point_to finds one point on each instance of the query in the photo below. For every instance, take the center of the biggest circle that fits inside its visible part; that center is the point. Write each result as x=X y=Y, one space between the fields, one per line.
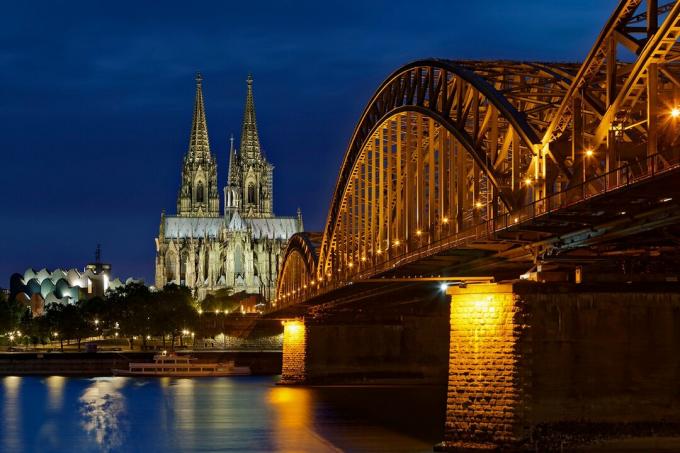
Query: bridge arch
x=464 y=133
x=298 y=267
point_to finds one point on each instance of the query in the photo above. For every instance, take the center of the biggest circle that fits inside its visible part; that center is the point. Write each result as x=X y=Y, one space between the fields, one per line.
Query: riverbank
x=101 y=363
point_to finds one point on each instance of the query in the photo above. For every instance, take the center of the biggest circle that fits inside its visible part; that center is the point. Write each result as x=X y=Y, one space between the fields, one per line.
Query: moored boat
x=172 y=365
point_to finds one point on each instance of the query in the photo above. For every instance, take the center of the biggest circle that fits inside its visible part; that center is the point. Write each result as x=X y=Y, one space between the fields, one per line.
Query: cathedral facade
x=239 y=248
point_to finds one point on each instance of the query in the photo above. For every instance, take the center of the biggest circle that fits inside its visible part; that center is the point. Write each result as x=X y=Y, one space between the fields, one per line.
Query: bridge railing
x=619 y=178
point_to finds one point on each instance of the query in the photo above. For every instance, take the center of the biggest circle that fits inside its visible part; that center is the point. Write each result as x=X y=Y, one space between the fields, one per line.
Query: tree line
x=129 y=312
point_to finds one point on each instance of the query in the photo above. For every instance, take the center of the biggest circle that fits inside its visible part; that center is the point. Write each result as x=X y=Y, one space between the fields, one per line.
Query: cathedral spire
x=250 y=141
x=198 y=142
x=232 y=159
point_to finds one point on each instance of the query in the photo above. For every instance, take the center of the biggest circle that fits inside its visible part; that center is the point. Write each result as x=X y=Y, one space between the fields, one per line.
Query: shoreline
x=95 y=364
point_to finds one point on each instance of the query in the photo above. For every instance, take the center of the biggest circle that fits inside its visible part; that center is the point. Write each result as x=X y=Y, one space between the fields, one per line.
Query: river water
x=235 y=414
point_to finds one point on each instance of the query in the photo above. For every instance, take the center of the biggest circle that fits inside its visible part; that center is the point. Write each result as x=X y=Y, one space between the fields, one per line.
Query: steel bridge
x=498 y=168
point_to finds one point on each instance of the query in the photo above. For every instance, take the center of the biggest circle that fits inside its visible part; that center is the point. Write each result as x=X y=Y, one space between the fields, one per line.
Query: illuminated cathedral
x=239 y=248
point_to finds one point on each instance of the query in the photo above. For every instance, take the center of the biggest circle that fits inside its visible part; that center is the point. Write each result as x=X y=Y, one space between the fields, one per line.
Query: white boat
x=173 y=365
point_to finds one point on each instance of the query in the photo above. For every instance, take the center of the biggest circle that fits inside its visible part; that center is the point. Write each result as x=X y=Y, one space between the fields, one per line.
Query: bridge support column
x=489 y=372
x=294 y=369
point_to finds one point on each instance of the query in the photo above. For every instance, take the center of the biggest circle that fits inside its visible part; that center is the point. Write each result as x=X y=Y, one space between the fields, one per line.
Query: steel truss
x=446 y=146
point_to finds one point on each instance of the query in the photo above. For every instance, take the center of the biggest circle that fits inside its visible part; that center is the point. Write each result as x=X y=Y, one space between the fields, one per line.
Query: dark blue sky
x=96 y=101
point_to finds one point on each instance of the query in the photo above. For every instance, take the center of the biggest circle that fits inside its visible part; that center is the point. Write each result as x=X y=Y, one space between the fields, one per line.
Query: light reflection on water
x=118 y=414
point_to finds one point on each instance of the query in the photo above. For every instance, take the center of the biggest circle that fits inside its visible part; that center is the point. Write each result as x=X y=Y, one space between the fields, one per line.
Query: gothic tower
x=250 y=173
x=198 y=194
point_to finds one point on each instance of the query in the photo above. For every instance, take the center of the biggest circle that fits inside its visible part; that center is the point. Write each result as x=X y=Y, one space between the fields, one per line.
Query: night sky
x=96 y=101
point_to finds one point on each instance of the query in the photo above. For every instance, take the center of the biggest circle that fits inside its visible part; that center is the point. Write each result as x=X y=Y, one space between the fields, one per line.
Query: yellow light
x=445 y=220
x=589 y=152
x=396 y=243
x=478 y=204
x=148 y=337
x=350 y=265
x=418 y=233
x=516 y=219
x=313 y=281
x=363 y=258
x=378 y=252
x=200 y=312
x=528 y=181
x=675 y=112
x=217 y=312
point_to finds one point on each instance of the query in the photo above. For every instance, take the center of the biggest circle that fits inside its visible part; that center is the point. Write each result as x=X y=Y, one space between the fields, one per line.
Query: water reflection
x=55 y=392
x=58 y=414
x=293 y=429
x=102 y=409
x=11 y=438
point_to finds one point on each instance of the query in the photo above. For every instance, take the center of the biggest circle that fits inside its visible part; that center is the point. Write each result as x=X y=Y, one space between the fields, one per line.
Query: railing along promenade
x=597 y=186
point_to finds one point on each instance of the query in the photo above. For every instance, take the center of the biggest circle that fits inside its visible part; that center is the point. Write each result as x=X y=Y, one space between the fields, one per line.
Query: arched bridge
x=492 y=167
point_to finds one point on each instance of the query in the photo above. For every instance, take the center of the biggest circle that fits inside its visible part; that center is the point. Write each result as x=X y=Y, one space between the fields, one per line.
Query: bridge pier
x=378 y=348
x=294 y=366
x=542 y=366
x=487 y=402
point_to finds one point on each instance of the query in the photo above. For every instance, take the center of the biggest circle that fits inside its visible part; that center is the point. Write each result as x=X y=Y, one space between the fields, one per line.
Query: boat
x=172 y=365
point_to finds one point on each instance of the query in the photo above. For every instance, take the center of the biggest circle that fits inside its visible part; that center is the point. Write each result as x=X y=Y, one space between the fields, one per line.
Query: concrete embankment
x=101 y=363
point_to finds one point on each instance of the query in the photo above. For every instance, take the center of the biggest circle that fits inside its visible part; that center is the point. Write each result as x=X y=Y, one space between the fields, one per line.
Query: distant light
x=148 y=337
x=665 y=200
x=200 y=312
x=675 y=112
x=419 y=232
x=589 y=152
x=363 y=258
x=350 y=264
x=528 y=181
x=516 y=219
x=396 y=243
x=445 y=220
x=443 y=287
x=378 y=252
x=478 y=205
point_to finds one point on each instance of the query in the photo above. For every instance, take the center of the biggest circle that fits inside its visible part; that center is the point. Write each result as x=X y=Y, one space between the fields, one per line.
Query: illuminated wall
x=294 y=368
x=488 y=379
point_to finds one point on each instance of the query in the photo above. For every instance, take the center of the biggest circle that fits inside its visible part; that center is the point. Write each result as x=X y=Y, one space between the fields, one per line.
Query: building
x=40 y=288
x=240 y=248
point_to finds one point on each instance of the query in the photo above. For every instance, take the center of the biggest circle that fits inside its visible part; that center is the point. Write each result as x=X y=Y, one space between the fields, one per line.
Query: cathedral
x=239 y=249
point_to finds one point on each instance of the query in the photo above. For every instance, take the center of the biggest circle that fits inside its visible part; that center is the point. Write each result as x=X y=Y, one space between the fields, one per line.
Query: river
x=236 y=414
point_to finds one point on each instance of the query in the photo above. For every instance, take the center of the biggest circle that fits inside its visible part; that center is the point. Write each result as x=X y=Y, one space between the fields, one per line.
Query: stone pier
x=404 y=349
x=586 y=361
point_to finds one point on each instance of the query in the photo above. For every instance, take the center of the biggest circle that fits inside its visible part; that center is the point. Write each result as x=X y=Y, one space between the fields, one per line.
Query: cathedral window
x=199 y=193
x=251 y=193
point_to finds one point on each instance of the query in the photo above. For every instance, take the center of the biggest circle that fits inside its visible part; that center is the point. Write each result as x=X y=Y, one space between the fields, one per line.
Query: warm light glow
x=396 y=243
x=363 y=258
x=350 y=265
x=528 y=181
x=516 y=219
x=589 y=152
x=418 y=233
x=378 y=252
x=445 y=220
x=443 y=287
x=478 y=205
x=675 y=112
x=292 y=328
x=200 y=312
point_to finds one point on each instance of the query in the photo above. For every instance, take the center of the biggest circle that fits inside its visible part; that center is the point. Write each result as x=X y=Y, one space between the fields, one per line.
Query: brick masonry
x=294 y=369
x=527 y=358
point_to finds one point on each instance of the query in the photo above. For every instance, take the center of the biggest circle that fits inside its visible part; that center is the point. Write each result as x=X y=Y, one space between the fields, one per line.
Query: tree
x=223 y=300
x=68 y=322
x=11 y=312
x=175 y=311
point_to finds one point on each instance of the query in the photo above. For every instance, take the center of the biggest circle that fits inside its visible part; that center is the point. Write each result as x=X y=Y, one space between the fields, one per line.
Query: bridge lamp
x=675 y=112
x=589 y=152
x=528 y=181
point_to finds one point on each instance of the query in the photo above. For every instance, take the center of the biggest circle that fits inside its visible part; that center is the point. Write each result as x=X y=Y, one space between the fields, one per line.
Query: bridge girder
x=445 y=147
